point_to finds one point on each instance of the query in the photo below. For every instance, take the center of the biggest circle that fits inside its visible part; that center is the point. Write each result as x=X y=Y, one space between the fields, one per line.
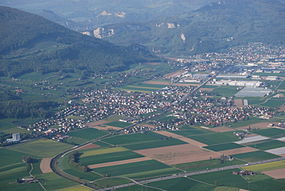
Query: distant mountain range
x=168 y=27
x=31 y=43
x=87 y=14
x=213 y=27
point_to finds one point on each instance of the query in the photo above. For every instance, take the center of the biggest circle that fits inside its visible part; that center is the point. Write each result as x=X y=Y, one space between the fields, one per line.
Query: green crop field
x=222 y=147
x=118 y=124
x=87 y=134
x=120 y=170
x=66 y=166
x=255 y=156
x=227 y=91
x=10 y=157
x=253 y=183
x=155 y=144
x=110 y=181
x=274 y=102
x=216 y=138
x=52 y=181
x=153 y=173
x=40 y=148
x=110 y=157
x=242 y=123
x=134 y=138
x=93 y=152
x=8 y=179
x=183 y=184
x=207 y=164
x=271 y=132
x=268 y=144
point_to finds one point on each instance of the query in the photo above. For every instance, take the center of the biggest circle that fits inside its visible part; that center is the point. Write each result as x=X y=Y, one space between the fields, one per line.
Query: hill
x=30 y=43
x=213 y=27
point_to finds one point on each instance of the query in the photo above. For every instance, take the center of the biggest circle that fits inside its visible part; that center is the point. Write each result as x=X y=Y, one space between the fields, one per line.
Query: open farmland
x=102 y=151
x=185 y=139
x=216 y=138
x=87 y=134
x=266 y=167
x=206 y=164
x=142 y=141
x=178 y=154
x=110 y=157
x=223 y=147
x=76 y=188
x=271 y=132
x=10 y=157
x=269 y=144
x=276 y=174
x=252 y=139
x=253 y=183
x=120 y=170
x=278 y=151
x=118 y=124
x=255 y=156
x=184 y=184
x=41 y=148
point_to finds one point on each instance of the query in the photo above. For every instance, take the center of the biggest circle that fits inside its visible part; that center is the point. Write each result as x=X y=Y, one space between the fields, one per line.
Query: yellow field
x=103 y=151
x=266 y=167
x=76 y=188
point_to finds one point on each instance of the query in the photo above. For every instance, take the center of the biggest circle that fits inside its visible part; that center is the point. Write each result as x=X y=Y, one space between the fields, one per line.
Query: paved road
x=190 y=174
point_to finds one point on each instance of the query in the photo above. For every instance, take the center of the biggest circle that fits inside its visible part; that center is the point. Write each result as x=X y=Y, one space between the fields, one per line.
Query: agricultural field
x=207 y=164
x=142 y=141
x=121 y=170
x=110 y=181
x=110 y=157
x=87 y=134
x=227 y=91
x=255 y=156
x=266 y=167
x=271 y=132
x=188 y=131
x=268 y=144
x=185 y=184
x=40 y=148
x=257 y=182
x=118 y=124
x=223 y=147
x=216 y=138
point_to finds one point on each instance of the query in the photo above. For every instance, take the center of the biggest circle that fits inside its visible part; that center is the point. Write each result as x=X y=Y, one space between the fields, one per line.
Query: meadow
x=40 y=148
x=87 y=134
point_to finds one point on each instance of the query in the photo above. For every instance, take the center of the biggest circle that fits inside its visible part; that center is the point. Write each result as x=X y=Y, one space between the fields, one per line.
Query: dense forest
x=30 y=43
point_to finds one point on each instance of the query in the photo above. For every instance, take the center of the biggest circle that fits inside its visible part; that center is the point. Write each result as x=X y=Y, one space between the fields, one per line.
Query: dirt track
x=45 y=165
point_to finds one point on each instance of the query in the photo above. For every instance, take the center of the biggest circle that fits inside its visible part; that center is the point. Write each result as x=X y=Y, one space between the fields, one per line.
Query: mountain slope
x=31 y=43
x=211 y=28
